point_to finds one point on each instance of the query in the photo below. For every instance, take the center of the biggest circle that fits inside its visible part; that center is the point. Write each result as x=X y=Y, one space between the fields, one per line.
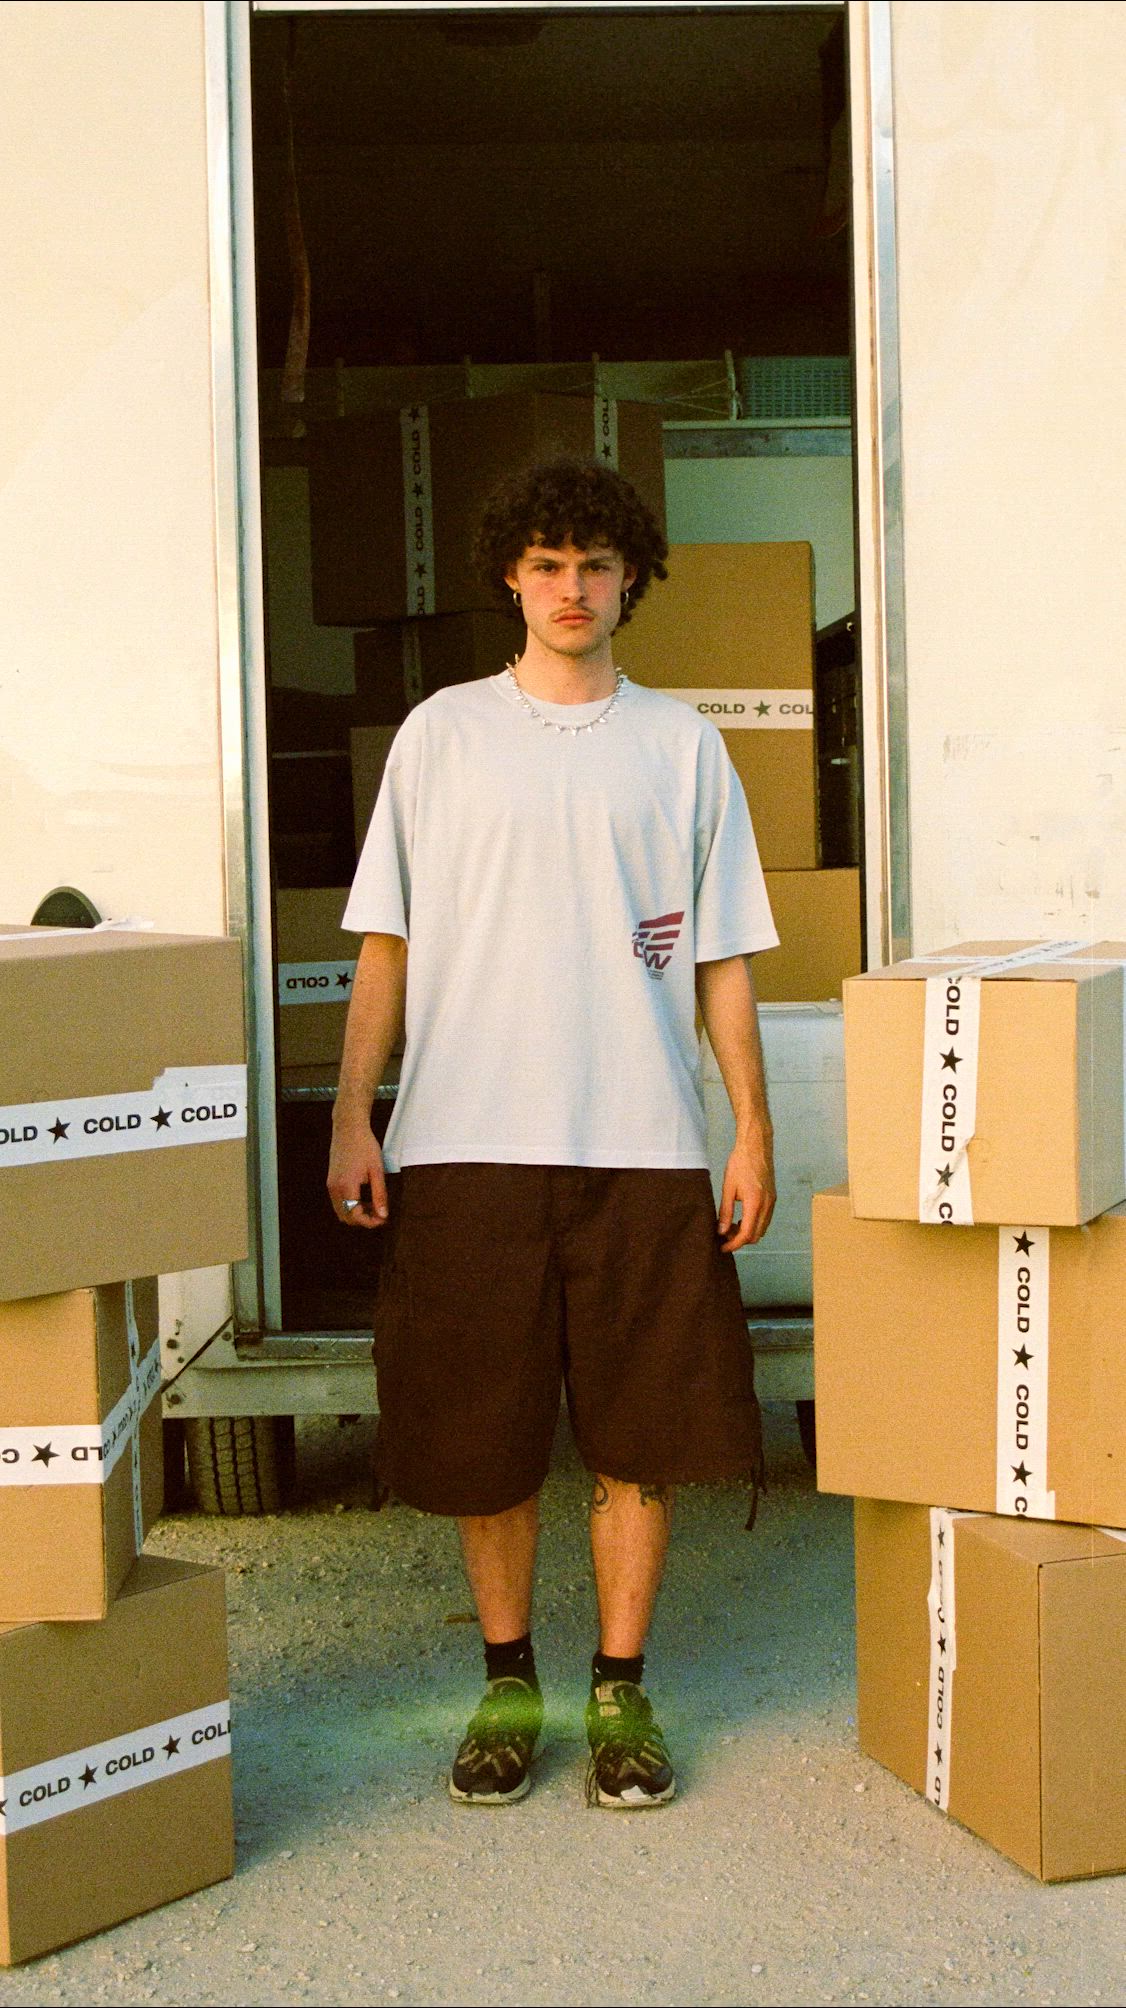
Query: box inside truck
x=530 y=226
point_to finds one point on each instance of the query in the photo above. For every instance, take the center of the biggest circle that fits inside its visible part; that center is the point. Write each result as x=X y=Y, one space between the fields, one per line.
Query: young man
x=570 y=858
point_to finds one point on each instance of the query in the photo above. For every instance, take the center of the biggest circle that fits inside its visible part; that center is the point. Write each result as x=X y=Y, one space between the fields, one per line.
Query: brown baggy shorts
x=500 y=1281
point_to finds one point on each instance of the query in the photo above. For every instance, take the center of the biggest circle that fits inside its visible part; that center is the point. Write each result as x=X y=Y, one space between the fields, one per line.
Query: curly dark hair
x=567 y=500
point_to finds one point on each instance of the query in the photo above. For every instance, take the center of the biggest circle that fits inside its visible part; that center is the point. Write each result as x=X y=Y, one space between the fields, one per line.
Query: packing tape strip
x=606 y=430
x=130 y=1428
x=418 y=509
x=751 y=710
x=315 y=982
x=185 y=1105
x=120 y=1764
x=1022 y=1373
x=81 y=1453
x=943 y=1654
x=951 y=1042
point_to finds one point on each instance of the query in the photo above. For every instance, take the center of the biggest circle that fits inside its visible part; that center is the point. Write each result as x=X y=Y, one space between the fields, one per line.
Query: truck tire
x=807 y=1430
x=241 y=1463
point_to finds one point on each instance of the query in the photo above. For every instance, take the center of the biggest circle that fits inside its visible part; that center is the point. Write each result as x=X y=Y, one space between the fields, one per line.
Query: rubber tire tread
x=240 y=1464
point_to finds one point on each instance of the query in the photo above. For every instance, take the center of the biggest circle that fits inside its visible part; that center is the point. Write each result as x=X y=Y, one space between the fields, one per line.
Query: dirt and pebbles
x=790 y=1869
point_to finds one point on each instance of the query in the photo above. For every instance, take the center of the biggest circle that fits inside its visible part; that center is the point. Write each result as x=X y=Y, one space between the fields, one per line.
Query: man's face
x=571 y=599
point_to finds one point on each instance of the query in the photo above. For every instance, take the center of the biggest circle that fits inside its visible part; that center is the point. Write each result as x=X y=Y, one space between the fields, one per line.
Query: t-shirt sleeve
x=380 y=899
x=733 y=914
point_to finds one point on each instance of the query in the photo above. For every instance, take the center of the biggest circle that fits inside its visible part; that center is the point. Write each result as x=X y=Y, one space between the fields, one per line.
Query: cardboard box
x=115 y=1769
x=395 y=496
x=1045 y=1140
x=81 y=1463
x=402 y=662
x=122 y=1107
x=979 y=1365
x=817 y=915
x=731 y=632
x=370 y=746
x=316 y=968
x=1002 y=1696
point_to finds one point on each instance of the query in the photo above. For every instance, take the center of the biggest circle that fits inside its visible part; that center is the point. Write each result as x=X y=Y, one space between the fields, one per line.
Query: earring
x=515 y=597
x=625 y=599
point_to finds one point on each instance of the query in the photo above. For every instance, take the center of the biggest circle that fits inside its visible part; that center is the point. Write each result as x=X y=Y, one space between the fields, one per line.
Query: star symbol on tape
x=1021 y=1473
x=761 y=710
x=1023 y=1243
x=938 y=1753
x=162 y=1118
x=421 y=569
x=942 y=1537
x=606 y=453
x=1022 y=1357
x=43 y=1454
x=419 y=489
x=414 y=411
x=941 y=1644
x=88 y=1776
x=343 y=980
x=944 y=1173
x=952 y=1060
x=171 y=1747
x=58 y=1129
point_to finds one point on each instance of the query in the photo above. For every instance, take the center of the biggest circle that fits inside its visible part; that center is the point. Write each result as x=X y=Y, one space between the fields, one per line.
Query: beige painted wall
x=1010 y=122
x=109 y=762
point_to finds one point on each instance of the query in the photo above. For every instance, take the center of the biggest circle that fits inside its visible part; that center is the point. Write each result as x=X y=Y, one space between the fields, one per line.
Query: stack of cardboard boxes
x=971 y=1387
x=122 y=1156
x=731 y=632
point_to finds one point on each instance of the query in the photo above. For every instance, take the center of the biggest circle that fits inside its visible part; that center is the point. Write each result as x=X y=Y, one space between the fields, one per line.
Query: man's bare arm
x=726 y=995
x=375 y=1021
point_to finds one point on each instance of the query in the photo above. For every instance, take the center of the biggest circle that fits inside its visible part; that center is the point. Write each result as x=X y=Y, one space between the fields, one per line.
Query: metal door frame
x=239 y=558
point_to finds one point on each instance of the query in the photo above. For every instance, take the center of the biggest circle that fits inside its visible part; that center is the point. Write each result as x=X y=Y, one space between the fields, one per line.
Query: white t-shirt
x=556 y=891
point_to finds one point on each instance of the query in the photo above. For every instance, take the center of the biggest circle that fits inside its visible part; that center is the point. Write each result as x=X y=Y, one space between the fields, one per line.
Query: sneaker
x=629 y=1764
x=491 y=1766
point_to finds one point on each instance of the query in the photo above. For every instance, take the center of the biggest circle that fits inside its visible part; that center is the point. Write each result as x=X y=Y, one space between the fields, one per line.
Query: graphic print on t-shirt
x=654 y=941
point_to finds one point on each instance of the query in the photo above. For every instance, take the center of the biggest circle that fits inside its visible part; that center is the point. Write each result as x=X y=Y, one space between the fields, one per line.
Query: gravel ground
x=790 y=1869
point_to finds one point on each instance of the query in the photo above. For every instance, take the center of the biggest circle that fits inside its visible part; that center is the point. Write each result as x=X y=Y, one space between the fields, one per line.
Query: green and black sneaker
x=491 y=1766
x=629 y=1764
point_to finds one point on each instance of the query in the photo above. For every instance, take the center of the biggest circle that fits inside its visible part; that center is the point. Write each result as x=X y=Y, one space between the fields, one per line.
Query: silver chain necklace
x=602 y=717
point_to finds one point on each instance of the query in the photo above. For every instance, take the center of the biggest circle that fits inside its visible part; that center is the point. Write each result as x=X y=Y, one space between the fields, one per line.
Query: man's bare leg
x=629 y=1538
x=491 y=1766
x=499 y=1551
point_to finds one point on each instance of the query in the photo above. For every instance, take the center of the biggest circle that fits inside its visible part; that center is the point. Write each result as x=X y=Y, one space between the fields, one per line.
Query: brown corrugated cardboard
x=122 y=1107
x=369 y=472
x=1033 y=1712
x=1048 y=1141
x=733 y=625
x=401 y=662
x=316 y=966
x=92 y=1834
x=922 y=1391
x=817 y=915
x=81 y=1466
x=370 y=746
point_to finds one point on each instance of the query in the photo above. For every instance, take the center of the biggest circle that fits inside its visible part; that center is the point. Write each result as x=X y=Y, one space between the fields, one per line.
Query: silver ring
x=349 y=1205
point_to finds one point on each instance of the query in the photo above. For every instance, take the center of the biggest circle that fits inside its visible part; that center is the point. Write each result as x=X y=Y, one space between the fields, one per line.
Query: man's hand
x=748 y=1181
x=356 y=1161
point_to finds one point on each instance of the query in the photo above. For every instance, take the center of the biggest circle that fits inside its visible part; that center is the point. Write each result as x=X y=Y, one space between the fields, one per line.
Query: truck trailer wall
x=110 y=775
x=1010 y=163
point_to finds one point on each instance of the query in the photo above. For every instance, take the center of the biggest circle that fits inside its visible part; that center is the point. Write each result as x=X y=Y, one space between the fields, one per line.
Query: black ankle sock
x=513 y=1657
x=605 y=1667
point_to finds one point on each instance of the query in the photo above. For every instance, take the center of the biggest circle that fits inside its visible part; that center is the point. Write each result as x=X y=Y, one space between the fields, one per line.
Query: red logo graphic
x=654 y=941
